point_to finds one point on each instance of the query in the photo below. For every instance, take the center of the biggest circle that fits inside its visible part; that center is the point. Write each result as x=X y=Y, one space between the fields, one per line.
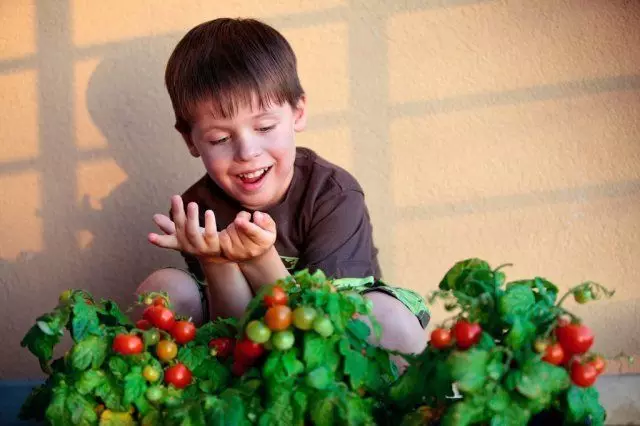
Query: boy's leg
x=185 y=293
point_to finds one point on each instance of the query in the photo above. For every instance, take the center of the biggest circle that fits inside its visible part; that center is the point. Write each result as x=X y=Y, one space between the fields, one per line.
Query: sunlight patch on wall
x=19 y=117
x=117 y=20
x=97 y=179
x=84 y=238
x=88 y=136
x=17 y=28
x=20 y=205
x=516 y=149
x=492 y=46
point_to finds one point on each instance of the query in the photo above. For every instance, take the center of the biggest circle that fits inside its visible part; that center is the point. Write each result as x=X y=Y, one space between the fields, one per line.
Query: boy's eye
x=266 y=128
x=221 y=140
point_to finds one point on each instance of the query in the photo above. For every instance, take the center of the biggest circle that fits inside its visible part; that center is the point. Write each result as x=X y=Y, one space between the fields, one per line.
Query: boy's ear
x=300 y=114
x=192 y=148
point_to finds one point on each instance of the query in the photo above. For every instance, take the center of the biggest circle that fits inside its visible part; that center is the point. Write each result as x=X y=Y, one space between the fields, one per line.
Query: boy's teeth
x=253 y=175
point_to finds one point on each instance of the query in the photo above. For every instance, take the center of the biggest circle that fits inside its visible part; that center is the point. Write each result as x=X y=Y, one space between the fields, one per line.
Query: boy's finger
x=164 y=223
x=164 y=241
x=177 y=211
x=244 y=216
x=234 y=237
x=252 y=231
x=264 y=221
x=192 y=227
x=210 y=227
x=225 y=242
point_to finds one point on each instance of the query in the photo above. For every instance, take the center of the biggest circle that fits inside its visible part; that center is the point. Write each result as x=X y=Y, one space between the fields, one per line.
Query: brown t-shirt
x=322 y=222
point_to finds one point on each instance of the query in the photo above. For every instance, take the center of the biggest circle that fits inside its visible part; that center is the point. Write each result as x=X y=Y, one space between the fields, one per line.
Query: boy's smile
x=250 y=155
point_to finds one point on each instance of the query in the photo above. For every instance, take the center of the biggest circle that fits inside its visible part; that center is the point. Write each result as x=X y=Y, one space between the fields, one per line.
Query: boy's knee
x=181 y=288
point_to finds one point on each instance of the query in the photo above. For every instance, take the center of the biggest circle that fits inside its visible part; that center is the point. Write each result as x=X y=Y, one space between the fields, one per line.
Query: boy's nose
x=248 y=148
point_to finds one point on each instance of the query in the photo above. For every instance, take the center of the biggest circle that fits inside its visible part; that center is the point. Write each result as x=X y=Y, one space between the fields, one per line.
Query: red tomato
x=183 y=332
x=127 y=344
x=178 y=375
x=159 y=301
x=441 y=338
x=276 y=296
x=160 y=317
x=143 y=324
x=575 y=339
x=247 y=351
x=599 y=363
x=223 y=346
x=583 y=375
x=554 y=354
x=467 y=334
x=278 y=317
x=166 y=350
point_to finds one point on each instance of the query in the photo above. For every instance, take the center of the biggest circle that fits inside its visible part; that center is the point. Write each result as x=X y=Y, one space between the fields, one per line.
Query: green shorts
x=412 y=300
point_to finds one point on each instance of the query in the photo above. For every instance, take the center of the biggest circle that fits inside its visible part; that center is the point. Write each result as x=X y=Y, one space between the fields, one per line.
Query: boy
x=267 y=208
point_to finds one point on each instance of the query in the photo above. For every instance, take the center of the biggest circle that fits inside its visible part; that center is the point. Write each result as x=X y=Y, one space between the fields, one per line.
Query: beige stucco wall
x=507 y=130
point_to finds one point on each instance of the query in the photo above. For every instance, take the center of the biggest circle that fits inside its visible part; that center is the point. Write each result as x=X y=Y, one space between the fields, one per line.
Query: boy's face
x=251 y=155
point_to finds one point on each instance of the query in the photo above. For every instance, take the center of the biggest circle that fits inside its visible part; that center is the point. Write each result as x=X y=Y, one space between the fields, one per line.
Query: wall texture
x=507 y=130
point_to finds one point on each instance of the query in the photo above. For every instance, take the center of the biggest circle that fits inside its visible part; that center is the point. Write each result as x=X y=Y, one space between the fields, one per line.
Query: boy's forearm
x=227 y=289
x=267 y=269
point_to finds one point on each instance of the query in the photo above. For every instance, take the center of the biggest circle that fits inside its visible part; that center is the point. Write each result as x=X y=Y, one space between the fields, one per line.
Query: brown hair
x=227 y=61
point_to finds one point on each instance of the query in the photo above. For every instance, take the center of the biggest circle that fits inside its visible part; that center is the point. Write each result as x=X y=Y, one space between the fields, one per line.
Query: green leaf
x=41 y=345
x=335 y=312
x=320 y=351
x=80 y=410
x=540 y=380
x=319 y=378
x=111 y=393
x=192 y=357
x=300 y=403
x=134 y=385
x=517 y=300
x=522 y=331
x=456 y=275
x=118 y=366
x=89 y=380
x=322 y=409
x=227 y=410
x=500 y=400
x=282 y=366
x=56 y=412
x=221 y=327
x=468 y=368
x=496 y=368
x=84 y=320
x=466 y=412
x=89 y=352
x=355 y=365
x=279 y=410
x=113 y=315
x=583 y=405
x=359 y=330
x=214 y=372
x=513 y=414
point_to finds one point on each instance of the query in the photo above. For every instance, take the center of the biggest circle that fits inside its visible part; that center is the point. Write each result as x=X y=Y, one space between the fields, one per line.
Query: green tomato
x=303 y=317
x=155 y=393
x=258 y=332
x=283 y=340
x=323 y=326
x=151 y=337
x=65 y=296
x=583 y=296
x=151 y=374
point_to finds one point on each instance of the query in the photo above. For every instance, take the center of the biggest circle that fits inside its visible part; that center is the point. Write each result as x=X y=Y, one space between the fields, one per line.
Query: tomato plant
x=440 y=338
x=575 y=339
x=583 y=375
x=143 y=324
x=258 y=332
x=247 y=350
x=178 y=375
x=155 y=393
x=303 y=317
x=466 y=334
x=554 y=354
x=151 y=337
x=222 y=346
x=166 y=350
x=323 y=326
x=127 y=344
x=151 y=374
x=583 y=295
x=183 y=332
x=278 y=317
x=160 y=317
x=283 y=340
x=276 y=296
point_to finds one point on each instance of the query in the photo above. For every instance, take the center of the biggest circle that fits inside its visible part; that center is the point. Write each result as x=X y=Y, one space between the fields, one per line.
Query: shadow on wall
x=128 y=103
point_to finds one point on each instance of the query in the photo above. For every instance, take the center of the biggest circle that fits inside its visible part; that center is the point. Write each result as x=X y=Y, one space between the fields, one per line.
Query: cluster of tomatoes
x=572 y=342
x=159 y=327
x=274 y=331
x=465 y=334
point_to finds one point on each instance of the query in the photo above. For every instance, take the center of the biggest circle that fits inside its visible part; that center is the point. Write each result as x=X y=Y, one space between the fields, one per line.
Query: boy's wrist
x=264 y=269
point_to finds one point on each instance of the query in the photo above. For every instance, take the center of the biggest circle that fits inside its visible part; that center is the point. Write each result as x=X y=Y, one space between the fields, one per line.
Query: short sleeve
x=340 y=240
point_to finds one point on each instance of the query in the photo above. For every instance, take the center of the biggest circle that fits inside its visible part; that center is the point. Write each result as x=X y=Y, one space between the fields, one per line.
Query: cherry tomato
x=148 y=301
x=278 y=317
x=223 y=346
x=65 y=296
x=467 y=334
x=441 y=338
x=166 y=350
x=583 y=375
x=575 y=339
x=151 y=337
x=151 y=374
x=563 y=321
x=283 y=340
x=247 y=351
x=127 y=344
x=257 y=331
x=599 y=364
x=540 y=345
x=160 y=317
x=323 y=326
x=160 y=301
x=155 y=393
x=583 y=296
x=178 y=375
x=143 y=324
x=276 y=296
x=183 y=332
x=554 y=354
x=303 y=317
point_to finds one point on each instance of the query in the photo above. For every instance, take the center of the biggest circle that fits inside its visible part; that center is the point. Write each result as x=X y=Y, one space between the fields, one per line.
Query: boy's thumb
x=264 y=221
